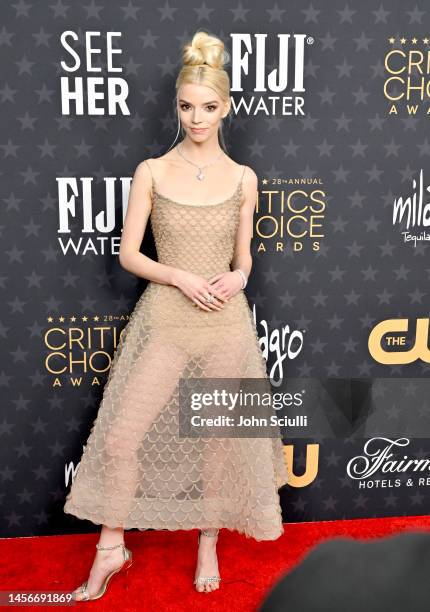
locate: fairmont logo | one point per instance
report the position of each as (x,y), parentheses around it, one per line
(378,456)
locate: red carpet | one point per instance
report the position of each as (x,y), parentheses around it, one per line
(163,567)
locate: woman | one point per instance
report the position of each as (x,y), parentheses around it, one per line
(192,320)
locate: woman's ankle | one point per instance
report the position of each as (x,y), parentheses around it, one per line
(210,532)
(111,537)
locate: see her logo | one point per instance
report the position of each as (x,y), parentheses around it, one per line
(105,95)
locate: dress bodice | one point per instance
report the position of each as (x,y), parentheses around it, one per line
(197,238)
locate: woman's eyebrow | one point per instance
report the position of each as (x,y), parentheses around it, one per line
(210,101)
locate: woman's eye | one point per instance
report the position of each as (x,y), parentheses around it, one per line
(211,107)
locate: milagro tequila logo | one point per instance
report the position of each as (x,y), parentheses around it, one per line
(282,343)
(281,91)
(413,212)
(379,457)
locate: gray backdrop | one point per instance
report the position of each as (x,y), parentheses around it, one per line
(61,276)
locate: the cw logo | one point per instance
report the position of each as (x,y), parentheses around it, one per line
(394,326)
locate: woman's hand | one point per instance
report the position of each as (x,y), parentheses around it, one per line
(228,283)
(198,288)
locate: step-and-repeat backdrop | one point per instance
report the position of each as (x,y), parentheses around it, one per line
(331,110)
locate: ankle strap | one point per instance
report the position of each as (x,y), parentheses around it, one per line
(109,547)
(208,533)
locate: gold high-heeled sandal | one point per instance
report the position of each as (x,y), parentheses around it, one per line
(128,560)
(206,579)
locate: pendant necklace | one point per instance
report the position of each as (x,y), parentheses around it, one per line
(200,174)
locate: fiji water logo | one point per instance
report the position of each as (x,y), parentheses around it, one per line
(278,92)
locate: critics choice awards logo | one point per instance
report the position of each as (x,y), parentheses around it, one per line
(291,213)
(407,70)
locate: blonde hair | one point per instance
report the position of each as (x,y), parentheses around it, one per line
(203,61)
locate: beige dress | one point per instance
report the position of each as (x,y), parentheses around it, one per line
(135,470)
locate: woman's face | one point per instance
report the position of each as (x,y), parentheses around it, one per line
(200,111)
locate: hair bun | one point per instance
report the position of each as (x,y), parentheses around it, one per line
(205,49)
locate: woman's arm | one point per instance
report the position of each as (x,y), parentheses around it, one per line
(242,258)
(136,219)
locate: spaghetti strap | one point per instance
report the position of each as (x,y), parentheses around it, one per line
(152,176)
(241,179)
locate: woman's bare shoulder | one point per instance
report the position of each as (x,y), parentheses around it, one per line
(145,167)
(246,173)
(239,168)
(150,160)
(244,168)
(162,159)
(249,175)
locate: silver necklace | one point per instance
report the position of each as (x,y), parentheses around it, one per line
(200,174)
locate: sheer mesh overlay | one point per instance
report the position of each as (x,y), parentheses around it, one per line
(135,470)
